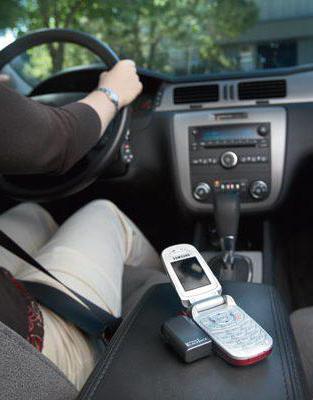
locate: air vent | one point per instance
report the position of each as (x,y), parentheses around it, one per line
(253,90)
(196,94)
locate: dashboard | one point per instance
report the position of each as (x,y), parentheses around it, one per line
(241,133)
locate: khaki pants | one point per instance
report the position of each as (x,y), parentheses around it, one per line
(88,253)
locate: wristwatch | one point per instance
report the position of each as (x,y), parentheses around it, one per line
(111,95)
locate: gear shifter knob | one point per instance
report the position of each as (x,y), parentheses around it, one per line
(227,212)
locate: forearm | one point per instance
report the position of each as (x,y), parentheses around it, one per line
(102,106)
(35,138)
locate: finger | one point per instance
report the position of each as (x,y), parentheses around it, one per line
(130,62)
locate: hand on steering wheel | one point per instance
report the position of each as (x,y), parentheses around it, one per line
(94,163)
(123,80)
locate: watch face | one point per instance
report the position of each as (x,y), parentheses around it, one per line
(113,96)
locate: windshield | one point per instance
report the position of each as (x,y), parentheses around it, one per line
(176,37)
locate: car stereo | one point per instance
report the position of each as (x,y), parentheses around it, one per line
(230,151)
(215,150)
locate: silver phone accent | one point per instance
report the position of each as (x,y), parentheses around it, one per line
(237,337)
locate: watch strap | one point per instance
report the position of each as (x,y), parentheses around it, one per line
(111,95)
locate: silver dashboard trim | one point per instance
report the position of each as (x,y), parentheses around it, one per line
(180,150)
(299,90)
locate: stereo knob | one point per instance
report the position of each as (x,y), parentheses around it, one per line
(202,191)
(258,190)
(229,159)
(263,129)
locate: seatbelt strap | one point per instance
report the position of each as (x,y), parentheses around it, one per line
(90,318)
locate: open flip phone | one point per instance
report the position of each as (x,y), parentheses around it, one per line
(236,336)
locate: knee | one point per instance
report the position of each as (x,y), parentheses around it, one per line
(38,212)
(105,206)
(33,214)
(31,208)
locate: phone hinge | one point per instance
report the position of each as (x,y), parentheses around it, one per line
(209,303)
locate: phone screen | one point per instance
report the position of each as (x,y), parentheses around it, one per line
(190,273)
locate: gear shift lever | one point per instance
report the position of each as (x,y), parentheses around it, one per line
(229,265)
(227,212)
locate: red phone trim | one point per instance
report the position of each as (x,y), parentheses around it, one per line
(243,363)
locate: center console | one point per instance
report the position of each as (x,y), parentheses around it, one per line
(138,365)
(230,151)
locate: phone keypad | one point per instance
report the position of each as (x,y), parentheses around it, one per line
(234,329)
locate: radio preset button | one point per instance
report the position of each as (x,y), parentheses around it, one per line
(229,159)
(204,161)
(253,159)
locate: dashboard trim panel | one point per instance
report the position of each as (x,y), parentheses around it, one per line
(299,90)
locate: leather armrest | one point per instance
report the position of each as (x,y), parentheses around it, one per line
(139,366)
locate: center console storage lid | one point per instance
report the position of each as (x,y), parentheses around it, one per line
(139,366)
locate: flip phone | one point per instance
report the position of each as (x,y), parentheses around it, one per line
(237,337)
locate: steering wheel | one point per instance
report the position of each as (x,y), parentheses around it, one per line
(46,188)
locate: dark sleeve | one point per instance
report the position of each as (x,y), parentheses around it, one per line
(35,138)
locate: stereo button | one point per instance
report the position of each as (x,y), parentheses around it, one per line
(259,190)
(263,130)
(263,143)
(201,191)
(229,159)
